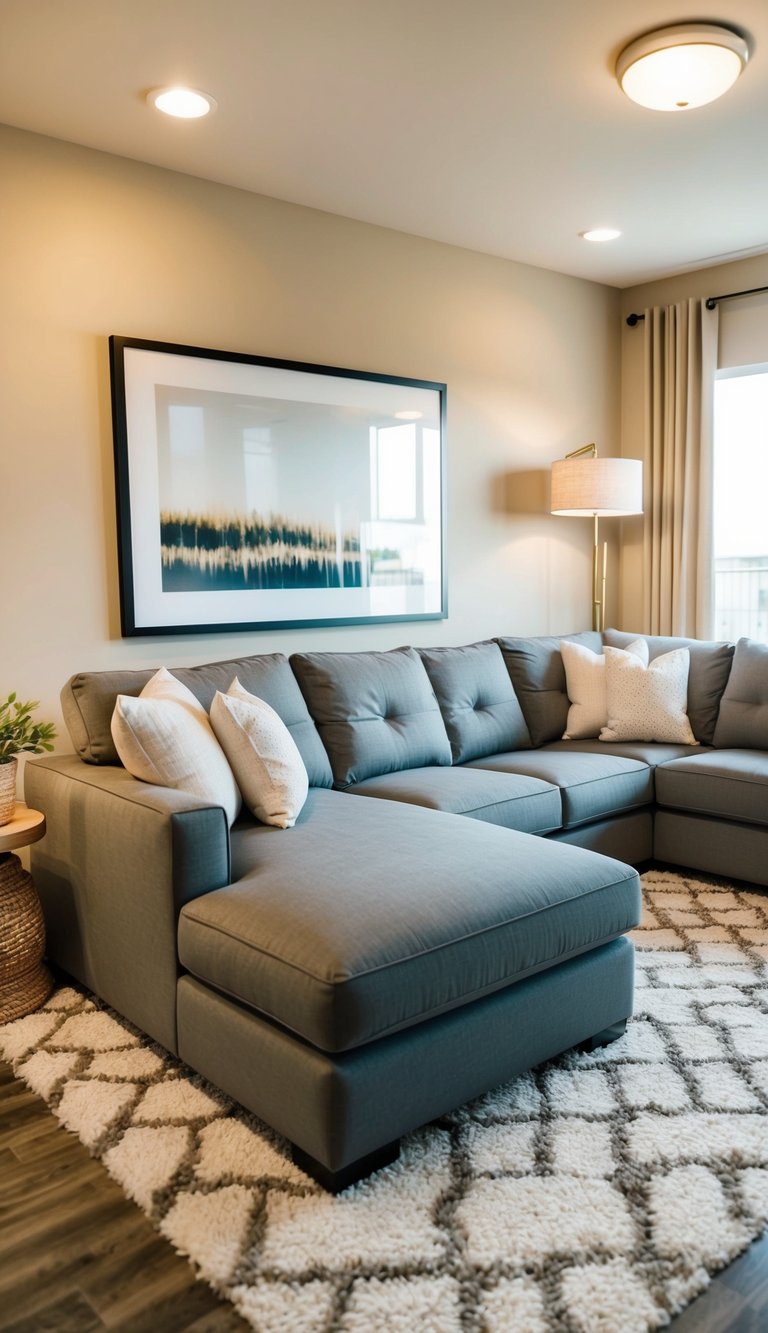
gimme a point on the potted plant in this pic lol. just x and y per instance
(18, 733)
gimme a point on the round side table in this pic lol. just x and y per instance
(25, 982)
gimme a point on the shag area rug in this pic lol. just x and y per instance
(596, 1194)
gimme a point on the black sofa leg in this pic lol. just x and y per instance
(604, 1038)
(335, 1181)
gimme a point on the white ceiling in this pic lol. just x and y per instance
(491, 124)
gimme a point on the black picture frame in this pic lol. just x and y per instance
(324, 487)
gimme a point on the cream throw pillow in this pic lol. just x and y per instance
(585, 684)
(164, 737)
(647, 703)
(264, 756)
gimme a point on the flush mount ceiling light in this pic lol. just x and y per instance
(600, 234)
(682, 67)
(184, 103)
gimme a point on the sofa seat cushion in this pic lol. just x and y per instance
(729, 784)
(652, 753)
(367, 917)
(513, 800)
(592, 785)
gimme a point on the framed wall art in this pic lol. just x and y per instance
(254, 493)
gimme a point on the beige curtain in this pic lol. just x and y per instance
(680, 364)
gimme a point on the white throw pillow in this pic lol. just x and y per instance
(647, 703)
(585, 683)
(164, 737)
(264, 756)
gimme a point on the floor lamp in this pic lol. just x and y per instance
(586, 486)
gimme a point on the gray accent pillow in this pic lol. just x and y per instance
(88, 701)
(538, 675)
(707, 677)
(376, 712)
(743, 720)
(479, 706)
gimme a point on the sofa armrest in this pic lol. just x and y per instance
(120, 858)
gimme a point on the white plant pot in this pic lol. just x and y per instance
(8, 790)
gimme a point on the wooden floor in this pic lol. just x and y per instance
(76, 1255)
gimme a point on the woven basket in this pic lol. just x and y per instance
(25, 982)
(7, 790)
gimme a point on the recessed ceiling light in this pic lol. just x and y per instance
(408, 416)
(682, 67)
(185, 103)
(600, 234)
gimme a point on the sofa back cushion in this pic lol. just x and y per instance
(538, 675)
(376, 712)
(88, 701)
(707, 677)
(480, 709)
(743, 720)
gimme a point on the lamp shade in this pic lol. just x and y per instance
(606, 487)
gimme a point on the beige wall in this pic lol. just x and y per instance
(92, 244)
(743, 340)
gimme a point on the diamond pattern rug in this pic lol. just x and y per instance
(596, 1194)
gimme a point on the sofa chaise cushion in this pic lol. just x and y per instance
(363, 921)
(512, 800)
(709, 670)
(743, 719)
(724, 784)
(88, 701)
(538, 675)
(592, 785)
(376, 712)
(477, 700)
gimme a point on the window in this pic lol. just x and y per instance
(740, 503)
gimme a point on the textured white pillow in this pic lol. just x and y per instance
(164, 737)
(585, 684)
(647, 703)
(264, 756)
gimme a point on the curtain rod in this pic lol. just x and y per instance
(710, 302)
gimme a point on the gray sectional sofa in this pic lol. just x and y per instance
(387, 959)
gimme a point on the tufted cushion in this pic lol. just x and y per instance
(707, 677)
(743, 720)
(538, 675)
(478, 703)
(88, 701)
(376, 712)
